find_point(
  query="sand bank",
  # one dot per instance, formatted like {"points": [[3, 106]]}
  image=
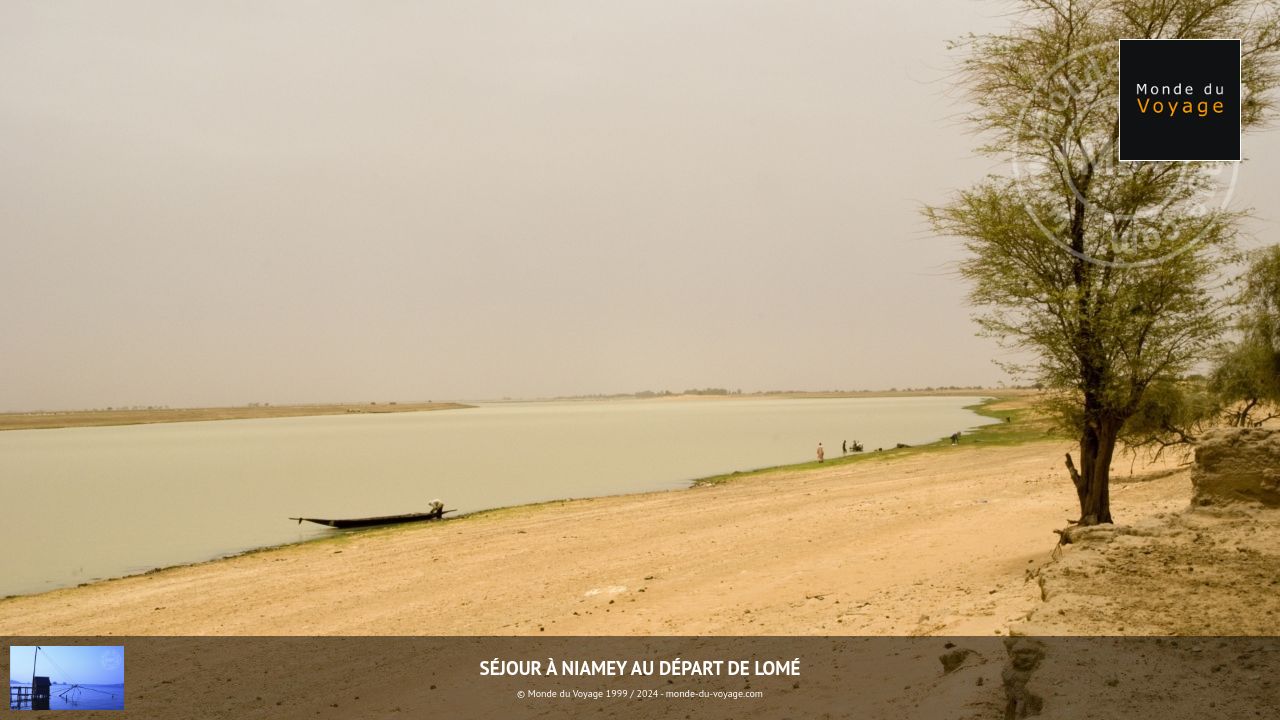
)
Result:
{"points": [[942, 542], [147, 416]]}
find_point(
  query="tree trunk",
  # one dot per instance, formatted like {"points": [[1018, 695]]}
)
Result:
{"points": [[1098, 440], [1093, 480]]}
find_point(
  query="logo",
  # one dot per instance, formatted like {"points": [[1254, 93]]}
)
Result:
{"points": [[1180, 100]]}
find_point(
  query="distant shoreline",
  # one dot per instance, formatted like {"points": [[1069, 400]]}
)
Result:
{"points": [[104, 418], [54, 419], [786, 395]]}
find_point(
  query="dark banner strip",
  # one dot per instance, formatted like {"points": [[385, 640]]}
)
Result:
{"points": [[655, 677]]}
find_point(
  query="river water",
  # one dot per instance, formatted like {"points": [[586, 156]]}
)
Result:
{"points": [[80, 697], [88, 503]]}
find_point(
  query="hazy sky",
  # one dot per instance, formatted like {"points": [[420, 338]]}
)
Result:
{"points": [[79, 664], [230, 202]]}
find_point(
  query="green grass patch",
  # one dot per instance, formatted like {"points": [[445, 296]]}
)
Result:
{"points": [[1018, 424]]}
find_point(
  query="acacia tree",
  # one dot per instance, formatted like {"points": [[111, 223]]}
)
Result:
{"points": [[1105, 273]]}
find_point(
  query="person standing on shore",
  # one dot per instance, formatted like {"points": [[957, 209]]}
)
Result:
{"points": [[821, 453]]}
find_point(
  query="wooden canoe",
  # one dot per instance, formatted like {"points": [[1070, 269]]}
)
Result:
{"points": [[372, 521]]}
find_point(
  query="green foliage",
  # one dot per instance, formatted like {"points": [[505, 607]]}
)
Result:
{"points": [[1247, 376], [1170, 412]]}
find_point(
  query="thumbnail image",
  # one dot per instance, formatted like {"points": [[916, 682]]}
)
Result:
{"points": [[66, 677]]}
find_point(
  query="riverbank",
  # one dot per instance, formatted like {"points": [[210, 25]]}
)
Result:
{"points": [[126, 500], [890, 546], [146, 416]]}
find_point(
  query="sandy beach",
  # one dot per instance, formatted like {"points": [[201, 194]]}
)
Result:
{"points": [[951, 541]]}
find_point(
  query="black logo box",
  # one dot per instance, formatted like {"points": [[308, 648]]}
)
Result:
{"points": [[1182, 66]]}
